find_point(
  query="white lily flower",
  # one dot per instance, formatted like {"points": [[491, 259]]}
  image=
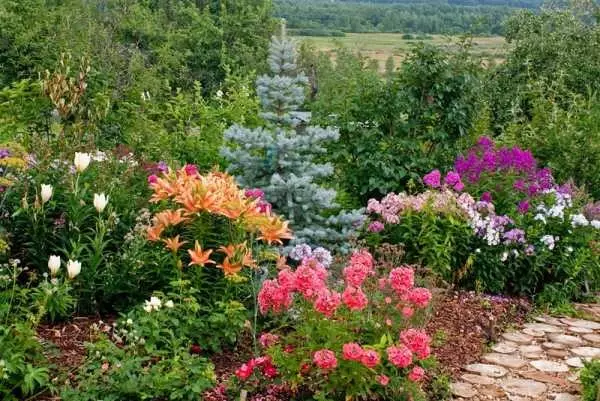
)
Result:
{"points": [[46, 192], [100, 202], [82, 161], [54, 265], [73, 268]]}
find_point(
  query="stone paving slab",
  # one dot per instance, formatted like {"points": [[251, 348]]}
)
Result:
{"points": [[540, 362]]}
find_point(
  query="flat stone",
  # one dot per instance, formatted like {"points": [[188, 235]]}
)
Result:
{"points": [[507, 361], [549, 366], [527, 349], [549, 320], [504, 348], [570, 341], [574, 378], [519, 338], [593, 338], [492, 392], [566, 397], [587, 324], [575, 362], [557, 353], [589, 352], [546, 328], [486, 370], [543, 377], [524, 387], [464, 390], [549, 345], [533, 333], [580, 330], [477, 379]]}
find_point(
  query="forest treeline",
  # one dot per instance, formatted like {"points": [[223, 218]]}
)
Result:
{"points": [[327, 18]]}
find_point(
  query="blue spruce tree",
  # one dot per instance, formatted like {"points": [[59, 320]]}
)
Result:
{"points": [[280, 158]]}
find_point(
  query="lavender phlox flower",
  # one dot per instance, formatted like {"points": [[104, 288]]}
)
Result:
{"points": [[579, 220], [323, 256], [549, 241], [300, 252], [514, 236], [376, 226]]}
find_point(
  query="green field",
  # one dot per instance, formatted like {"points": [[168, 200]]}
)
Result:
{"points": [[380, 46]]}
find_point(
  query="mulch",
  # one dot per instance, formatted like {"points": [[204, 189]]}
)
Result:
{"points": [[461, 325]]}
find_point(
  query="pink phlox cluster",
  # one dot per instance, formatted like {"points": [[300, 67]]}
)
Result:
{"points": [[399, 355], [273, 296], [266, 340], [419, 297], [352, 352], [416, 374], [417, 341], [325, 359], [354, 298], [402, 280], [327, 302]]}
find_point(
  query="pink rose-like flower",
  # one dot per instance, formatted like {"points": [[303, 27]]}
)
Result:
{"points": [[402, 279], [417, 341], [400, 356], [408, 312], [420, 297], [352, 352], [452, 178], [325, 359], [383, 380], [354, 298], [416, 374], [244, 371], [376, 227], [327, 302], [370, 359], [191, 169], [268, 339], [433, 179]]}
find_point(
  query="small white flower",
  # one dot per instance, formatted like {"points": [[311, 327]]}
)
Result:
{"points": [[595, 224], [219, 93], [100, 202], [504, 256], [579, 220], [516, 253], [46, 192], [569, 249], [153, 304], [73, 268], [540, 217], [147, 307], [169, 304], [129, 322], [477, 250], [549, 240], [54, 264], [99, 156], [82, 161]]}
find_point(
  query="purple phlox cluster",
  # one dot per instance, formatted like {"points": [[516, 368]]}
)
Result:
{"points": [[4, 153], [257, 193], [485, 158], [592, 210], [303, 252], [376, 226], [452, 180], [523, 206], [514, 236]]}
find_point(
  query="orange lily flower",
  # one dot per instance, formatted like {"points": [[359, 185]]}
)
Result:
{"points": [[170, 217], [282, 263], [173, 243], [199, 257], [153, 233], [275, 231], [230, 269]]}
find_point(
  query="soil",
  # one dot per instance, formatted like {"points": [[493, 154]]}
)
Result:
{"points": [[462, 324]]}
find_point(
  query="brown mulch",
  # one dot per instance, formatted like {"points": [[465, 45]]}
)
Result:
{"points": [[463, 323], [70, 337]]}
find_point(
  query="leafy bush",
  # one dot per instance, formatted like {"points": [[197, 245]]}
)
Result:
{"points": [[23, 367], [543, 239], [344, 344], [590, 380]]}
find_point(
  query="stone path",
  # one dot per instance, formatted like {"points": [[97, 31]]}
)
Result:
{"points": [[540, 362]]}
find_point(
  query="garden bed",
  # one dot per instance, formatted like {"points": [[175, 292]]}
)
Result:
{"points": [[461, 325]]}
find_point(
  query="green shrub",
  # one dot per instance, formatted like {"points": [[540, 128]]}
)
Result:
{"points": [[590, 380]]}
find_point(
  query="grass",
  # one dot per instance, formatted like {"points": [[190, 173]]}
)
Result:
{"points": [[380, 46]]}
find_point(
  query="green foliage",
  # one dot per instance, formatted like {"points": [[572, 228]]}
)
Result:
{"points": [[23, 367], [590, 380], [391, 133], [565, 138]]}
